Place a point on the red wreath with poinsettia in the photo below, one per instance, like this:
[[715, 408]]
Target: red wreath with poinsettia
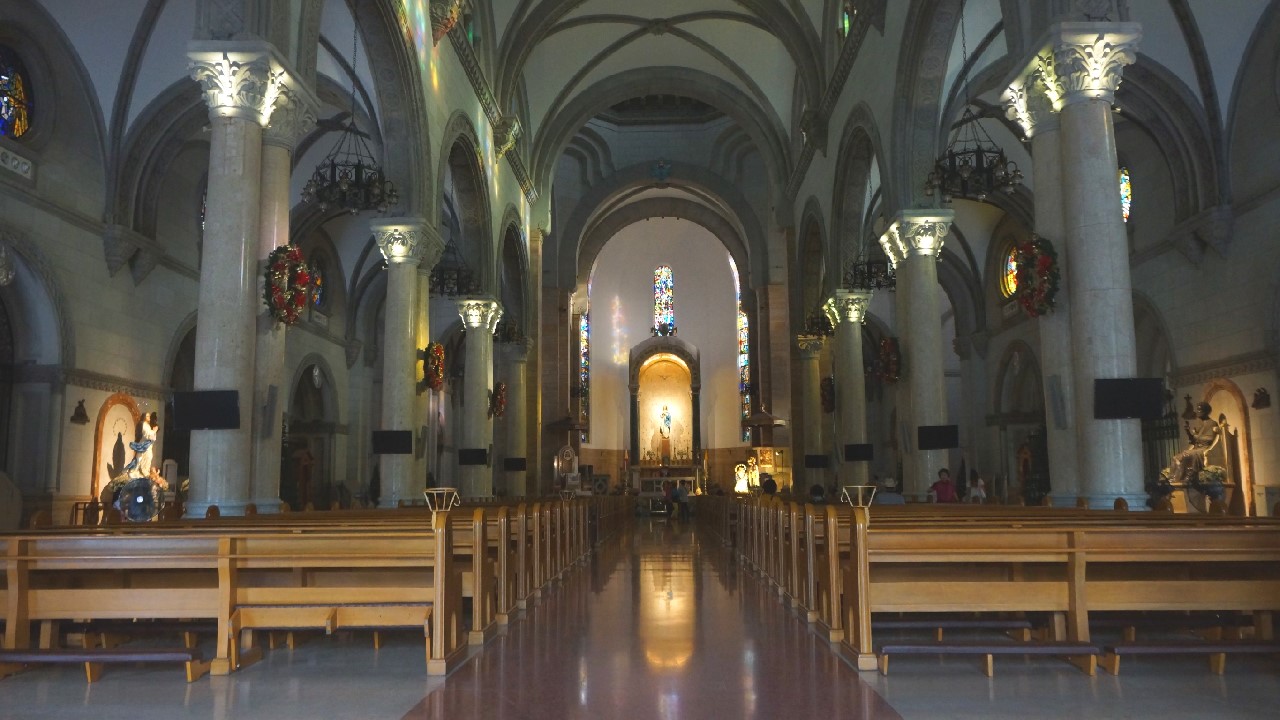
[[434, 370], [288, 284], [1038, 276], [890, 361], [498, 400]]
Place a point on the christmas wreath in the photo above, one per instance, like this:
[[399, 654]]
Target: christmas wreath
[[434, 370], [1038, 276], [288, 284], [498, 400]]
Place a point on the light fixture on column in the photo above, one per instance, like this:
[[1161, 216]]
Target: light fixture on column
[[973, 166], [349, 178]]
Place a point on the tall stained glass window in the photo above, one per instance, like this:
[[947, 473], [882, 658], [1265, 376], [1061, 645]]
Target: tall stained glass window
[[846, 19], [1009, 277], [744, 353], [317, 285], [1126, 193], [584, 369], [664, 302], [15, 97]]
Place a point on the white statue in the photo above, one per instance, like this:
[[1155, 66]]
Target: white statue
[[144, 450]]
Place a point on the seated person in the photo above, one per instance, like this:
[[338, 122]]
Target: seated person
[[817, 494], [944, 490], [888, 494], [977, 490]]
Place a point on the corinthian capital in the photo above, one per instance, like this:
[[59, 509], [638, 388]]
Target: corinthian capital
[[916, 234], [293, 117], [480, 312], [401, 240], [809, 345], [851, 305], [1089, 58], [244, 79]]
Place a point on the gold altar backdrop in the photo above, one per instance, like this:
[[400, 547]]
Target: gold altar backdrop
[[665, 407]]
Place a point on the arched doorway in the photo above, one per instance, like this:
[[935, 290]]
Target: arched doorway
[[306, 458], [1020, 420]]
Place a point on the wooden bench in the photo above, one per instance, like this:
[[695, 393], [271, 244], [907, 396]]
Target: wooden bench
[[1216, 650], [94, 658], [1082, 654], [1019, 629]]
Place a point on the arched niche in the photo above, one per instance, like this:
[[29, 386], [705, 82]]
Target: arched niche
[[116, 427], [664, 375]]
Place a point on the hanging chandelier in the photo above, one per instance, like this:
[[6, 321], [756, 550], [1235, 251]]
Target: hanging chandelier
[[866, 274], [349, 178], [452, 276], [973, 166]]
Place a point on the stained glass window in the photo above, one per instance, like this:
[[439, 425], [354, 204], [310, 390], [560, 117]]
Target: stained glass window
[[15, 98], [664, 304], [744, 353], [1009, 276], [846, 19], [1126, 193], [317, 285], [584, 368]]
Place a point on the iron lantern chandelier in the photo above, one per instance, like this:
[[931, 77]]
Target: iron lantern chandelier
[[973, 166]]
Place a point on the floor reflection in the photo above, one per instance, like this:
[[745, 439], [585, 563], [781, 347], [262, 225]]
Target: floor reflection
[[662, 625]]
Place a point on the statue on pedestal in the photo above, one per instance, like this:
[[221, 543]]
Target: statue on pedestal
[[1202, 435]]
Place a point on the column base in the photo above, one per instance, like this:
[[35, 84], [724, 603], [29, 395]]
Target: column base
[[268, 505]]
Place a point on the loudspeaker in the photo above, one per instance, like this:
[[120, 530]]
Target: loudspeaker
[[206, 410], [1128, 398], [816, 462], [937, 437], [861, 452], [514, 464], [473, 456], [392, 442]]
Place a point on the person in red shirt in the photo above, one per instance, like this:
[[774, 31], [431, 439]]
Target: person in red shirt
[[944, 491]]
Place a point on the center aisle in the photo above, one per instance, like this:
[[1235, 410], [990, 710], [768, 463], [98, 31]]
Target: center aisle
[[661, 625]]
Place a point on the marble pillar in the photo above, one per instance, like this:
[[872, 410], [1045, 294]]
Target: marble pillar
[[1030, 105], [1087, 62], [810, 373], [289, 122], [480, 316], [913, 244], [242, 83], [405, 243], [514, 369], [850, 308], [557, 345], [534, 482]]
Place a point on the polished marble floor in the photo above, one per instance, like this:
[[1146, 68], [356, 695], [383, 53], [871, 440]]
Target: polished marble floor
[[661, 624]]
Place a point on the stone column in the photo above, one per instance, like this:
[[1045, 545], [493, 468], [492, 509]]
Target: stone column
[[534, 481], [913, 244], [290, 121], [404, 242], [810, 390], [558, 348], [241, 82], [851, 310], [1087, 63], [480, 316], [1028, 103], [517, 416], [634, 424]]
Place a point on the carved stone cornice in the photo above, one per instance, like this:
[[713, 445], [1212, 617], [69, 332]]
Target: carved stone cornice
[[1089, 58], [851, 305], [113, 384], [1234, 366], [916, 234], [245, 79], [810, 346], [489, 103], [505, 133], [401, 240], [480, 312]]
